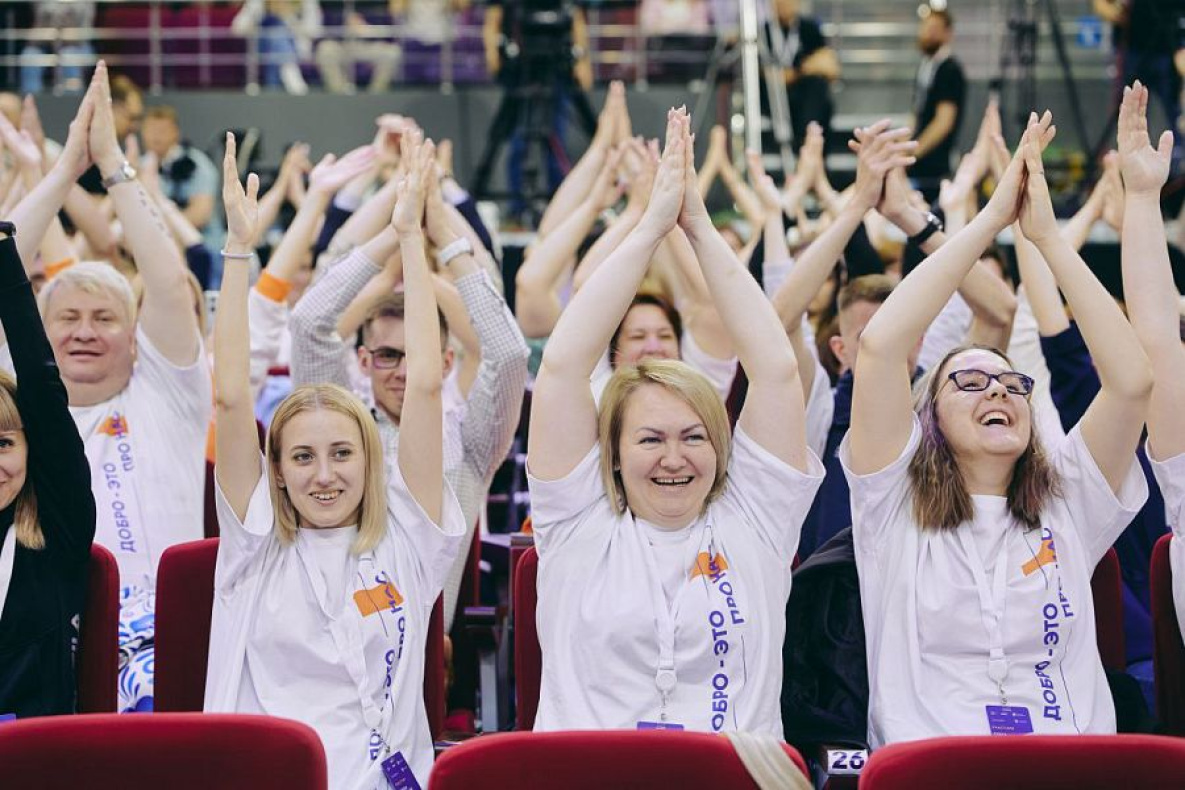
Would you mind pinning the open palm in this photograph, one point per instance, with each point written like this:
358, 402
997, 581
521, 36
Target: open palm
1144, 168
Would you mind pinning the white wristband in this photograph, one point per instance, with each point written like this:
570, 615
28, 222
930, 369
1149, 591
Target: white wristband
461, 246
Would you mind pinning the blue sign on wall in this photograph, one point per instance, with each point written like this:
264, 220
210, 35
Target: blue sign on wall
1090, 32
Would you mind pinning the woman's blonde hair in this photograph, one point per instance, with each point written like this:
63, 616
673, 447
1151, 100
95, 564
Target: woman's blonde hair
24, 520
680, 380
940, 497
372, 521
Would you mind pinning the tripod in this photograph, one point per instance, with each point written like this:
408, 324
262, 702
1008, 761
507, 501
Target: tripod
1018, 65
538, 80
756, 59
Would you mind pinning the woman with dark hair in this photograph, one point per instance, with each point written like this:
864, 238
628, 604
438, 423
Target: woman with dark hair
665, 540
975, 546
47, 512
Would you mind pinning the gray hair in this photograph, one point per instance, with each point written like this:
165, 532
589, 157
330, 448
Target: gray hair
95, 278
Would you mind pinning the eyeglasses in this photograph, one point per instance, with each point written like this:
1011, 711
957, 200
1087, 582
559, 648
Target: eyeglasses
972, 380
386, 358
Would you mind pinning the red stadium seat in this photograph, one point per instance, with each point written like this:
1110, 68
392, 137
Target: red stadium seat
587, 760
1107, 588
1169, 650
180, 751
184, 605
97, 663
528, 657
1036, 762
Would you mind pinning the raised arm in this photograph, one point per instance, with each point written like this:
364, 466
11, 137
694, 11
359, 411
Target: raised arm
563, 414
421, 440
537, 282
38, 210
236, 452
166, 311
1152, 297
881, 401
1112, 424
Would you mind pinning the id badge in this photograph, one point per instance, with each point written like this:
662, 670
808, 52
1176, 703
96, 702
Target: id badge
7, 717
1009, 720
659, 725
398, 773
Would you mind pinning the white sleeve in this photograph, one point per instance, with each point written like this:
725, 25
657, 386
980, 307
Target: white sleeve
556, 505
948, 330
879, 498
1098, 515
187, 391
1170, 476
774, 496
820, 411
266, 321
1024, 349
720, 372
241, 541
435, 547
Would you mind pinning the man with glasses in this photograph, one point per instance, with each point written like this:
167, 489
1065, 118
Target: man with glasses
481, 406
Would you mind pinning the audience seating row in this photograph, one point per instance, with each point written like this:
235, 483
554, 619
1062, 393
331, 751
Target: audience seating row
188, 751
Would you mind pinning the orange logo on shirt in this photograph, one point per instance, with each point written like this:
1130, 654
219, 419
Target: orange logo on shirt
383, 597
115, 426
705, 565
1045, 556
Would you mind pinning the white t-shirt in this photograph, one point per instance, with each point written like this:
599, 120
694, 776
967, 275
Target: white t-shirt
1170, 475
926, 636
147, 453
309, 631
598, 596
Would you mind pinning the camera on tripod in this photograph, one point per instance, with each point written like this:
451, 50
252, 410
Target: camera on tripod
537, 41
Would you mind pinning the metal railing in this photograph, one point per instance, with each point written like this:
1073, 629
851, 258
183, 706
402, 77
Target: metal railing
167, 45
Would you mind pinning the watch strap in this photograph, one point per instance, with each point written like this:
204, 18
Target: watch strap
933, 225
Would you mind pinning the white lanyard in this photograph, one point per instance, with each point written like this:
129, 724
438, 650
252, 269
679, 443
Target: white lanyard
666, 615
7, 556
992, 603
347, 637
785, 45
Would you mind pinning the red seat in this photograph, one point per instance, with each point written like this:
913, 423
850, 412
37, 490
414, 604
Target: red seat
528, 657
587, 760
1039, 762
97, 662
1168, 650
180, 751
184, 605
1106, 586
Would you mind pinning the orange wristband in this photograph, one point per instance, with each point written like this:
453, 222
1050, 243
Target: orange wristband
273, 287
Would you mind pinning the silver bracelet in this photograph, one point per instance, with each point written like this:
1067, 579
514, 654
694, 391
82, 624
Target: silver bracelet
453, 249
238, 256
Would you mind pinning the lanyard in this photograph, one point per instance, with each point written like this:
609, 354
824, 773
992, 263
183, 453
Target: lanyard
347, 637
7, 556
666, 615
992, 603
785, 45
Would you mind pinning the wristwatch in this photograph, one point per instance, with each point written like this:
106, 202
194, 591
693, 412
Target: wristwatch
7, 228
124, 172
933, 225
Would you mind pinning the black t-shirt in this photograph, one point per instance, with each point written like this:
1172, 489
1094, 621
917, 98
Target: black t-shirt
790, 46
948, 84
1154, 26
38, 627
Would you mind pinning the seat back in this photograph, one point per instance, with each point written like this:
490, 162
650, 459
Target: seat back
528, 657
588, 760
184, 606
1036, 762
1106, 586
97, 662
1168, 649
180, 751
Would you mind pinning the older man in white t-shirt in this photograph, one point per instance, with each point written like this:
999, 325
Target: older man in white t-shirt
138, 385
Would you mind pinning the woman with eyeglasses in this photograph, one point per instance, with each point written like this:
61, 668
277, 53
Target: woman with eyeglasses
975, 545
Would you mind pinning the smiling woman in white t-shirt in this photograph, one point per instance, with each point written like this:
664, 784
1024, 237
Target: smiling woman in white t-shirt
975, 547
329, 565
665, 544
1153, 303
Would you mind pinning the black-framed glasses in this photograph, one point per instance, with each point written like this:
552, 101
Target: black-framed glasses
973, 380
386, 358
